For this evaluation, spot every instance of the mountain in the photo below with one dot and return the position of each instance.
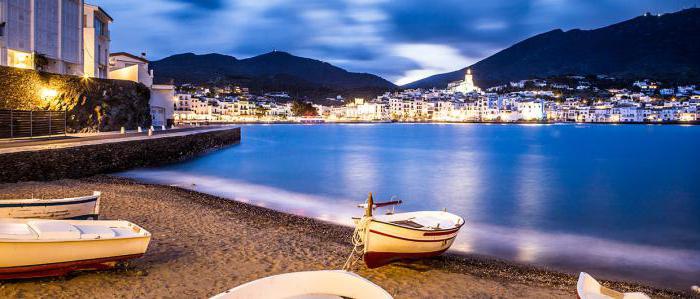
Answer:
(271, 71)
(661, 47)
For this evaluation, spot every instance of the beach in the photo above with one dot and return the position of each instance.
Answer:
(203, 245)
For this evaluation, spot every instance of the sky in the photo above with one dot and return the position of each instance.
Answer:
(400, 40)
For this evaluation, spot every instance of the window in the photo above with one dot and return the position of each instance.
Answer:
(2, 29)
(98, 27)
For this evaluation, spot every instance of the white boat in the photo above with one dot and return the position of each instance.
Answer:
(310, 284)
(38, 248)
(412, 235)
(588, 288)
(84, 207)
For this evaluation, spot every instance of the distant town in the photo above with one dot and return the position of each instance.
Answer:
(564, 99)
(590, 98)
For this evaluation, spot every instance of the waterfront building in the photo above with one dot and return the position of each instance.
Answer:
(96, 39)
(531, 109)
(445, 105)
(126, 66)
(465, 86)
(42, 35)
(162, 104)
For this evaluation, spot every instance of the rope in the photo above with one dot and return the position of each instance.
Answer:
(358, 243)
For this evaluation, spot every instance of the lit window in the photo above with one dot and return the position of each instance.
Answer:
(20, 59)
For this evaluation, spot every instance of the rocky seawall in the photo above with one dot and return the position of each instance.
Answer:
(112, 156)
(91, 104)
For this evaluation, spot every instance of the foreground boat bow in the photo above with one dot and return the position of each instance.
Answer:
(309, 284)
(588, 288)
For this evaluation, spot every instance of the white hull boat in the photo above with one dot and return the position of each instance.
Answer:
(311, 284)
(84, 207)
(412, 235)
(39, 248)
(588, 288)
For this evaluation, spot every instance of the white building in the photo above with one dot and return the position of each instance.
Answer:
(95, 41)
(465, 86)
(531, 109)
(162, 104)
(43, 35)
(125, 66)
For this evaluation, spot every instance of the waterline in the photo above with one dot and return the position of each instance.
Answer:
(561, 250)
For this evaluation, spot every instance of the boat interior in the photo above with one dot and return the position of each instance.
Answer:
(424, 220)
(68, 230)
(588, 287)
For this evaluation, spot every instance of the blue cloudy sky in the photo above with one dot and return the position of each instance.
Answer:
(400, 40)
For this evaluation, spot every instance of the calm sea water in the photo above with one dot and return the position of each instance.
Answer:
(621, 201)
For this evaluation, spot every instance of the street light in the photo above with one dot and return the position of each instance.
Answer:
(48, 94)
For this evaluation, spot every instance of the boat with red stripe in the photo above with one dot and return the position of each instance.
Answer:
(412, 235)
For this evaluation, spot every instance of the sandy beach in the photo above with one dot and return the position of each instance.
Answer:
(203, 245)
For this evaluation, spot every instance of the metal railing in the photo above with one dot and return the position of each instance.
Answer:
(27, 124)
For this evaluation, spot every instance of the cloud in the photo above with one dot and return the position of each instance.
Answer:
(490, 25)
(431, 59)
(205, 4)
(399, 40)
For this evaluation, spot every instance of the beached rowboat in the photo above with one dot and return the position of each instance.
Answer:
(588, 288)
(38, 248)
(412, 235)
(310, 284)
(84, 207)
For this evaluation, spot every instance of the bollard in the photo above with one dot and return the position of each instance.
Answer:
(162, 127)
(122, 131)
(150, 132)
(139, 130)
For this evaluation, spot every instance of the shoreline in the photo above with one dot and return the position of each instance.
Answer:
(203, 245)
(289, 122)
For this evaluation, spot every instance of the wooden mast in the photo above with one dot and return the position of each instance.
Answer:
(370, 205)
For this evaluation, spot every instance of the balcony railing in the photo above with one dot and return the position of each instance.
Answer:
(23, 123)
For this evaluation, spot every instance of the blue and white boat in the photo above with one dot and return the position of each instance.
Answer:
(84, 207)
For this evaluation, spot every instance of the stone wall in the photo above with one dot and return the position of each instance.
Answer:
(87, 160)
(91, 104)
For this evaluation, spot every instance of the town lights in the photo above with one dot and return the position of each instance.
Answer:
(47, 94)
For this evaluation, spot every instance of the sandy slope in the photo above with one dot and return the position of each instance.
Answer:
(203, 245)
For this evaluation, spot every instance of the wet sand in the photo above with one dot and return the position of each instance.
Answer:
(203, 245)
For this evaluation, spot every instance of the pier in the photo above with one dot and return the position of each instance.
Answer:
(61, 158)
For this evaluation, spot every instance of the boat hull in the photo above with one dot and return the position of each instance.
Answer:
(63, 268)
(87, 207)
(386, 243)
(26, 258)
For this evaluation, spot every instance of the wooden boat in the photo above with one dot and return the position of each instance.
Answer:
(39, 248)
(310, 284)
(84, 207)
(412, 235)
(588, 288)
